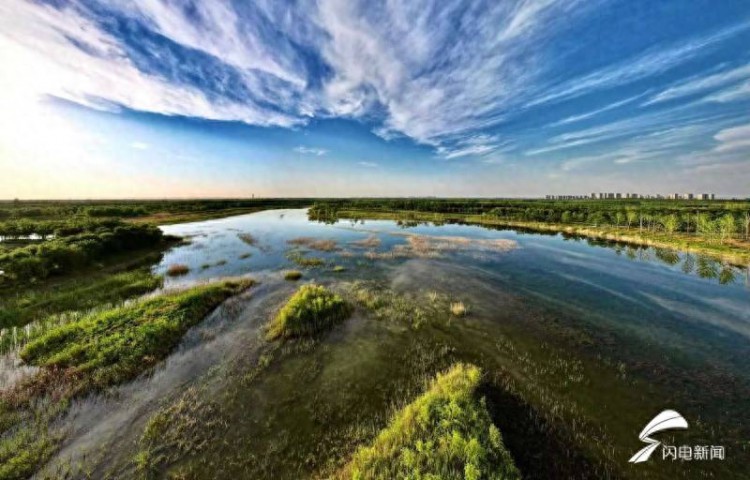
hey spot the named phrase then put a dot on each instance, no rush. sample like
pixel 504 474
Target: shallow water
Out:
pixel 613 334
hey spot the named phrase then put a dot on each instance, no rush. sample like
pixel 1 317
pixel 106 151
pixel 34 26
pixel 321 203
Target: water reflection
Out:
pixel 703 266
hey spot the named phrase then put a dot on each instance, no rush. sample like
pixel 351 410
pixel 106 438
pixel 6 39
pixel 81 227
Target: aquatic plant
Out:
pixel 245 255
pixel 445 433
pixel 339 268
pixel 307 262
pixel 114 345
pixel 370 242
pixel 311 309
pixel 177 270
pixel 459 309
pixel 292 275
pixel 323 245
pixel 247 238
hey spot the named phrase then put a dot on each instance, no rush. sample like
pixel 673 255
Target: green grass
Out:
pixel 22 306
pixel 306 262
pixel 311 309
pixel 292 275
pixel 446 433
pixel 115 345
pixel 338 269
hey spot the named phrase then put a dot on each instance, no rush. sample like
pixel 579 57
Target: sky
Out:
pixel 514 98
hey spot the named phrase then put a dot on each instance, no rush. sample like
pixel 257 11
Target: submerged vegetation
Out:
pixel 458 309
pixel 292 275
pixel 311 309
pixel 178 269
pixel 445 433
pixel 304 261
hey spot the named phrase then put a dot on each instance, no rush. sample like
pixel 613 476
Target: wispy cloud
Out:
pixel 368 164
pixel 701 84
pixel 656 61
pixel 594 113
pixel 735 138
pixel 140 145
pixel 448 74
pixel 318 152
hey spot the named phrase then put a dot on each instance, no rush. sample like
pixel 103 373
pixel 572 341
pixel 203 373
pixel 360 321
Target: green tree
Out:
pixel 631 216
pixel 727 226
pixel 670 223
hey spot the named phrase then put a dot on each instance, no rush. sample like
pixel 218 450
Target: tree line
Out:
pixel 715 220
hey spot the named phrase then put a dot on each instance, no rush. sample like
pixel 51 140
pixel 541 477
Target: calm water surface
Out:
pixel 647 329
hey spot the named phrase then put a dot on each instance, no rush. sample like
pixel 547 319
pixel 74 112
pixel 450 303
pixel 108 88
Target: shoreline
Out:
pixel 728 253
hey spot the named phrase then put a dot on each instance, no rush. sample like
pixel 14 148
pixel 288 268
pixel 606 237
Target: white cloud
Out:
pixel 735 138
pixel 732 94
pixel 438 72
pixel 657 60
pixel 140 145
pixel 369 164
pixel 318 152
pixel 701 84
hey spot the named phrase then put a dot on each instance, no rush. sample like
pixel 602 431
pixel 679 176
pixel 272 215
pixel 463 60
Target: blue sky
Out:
pixel 157 98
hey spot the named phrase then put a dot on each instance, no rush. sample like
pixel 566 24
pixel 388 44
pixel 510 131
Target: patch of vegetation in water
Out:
pixel 177 270
pixel 247 238
pixel 338 269
pixel 445 433
pixel 292 275
pixel 306 262
pixel 323 245
pixel 112 346
pixel 311 309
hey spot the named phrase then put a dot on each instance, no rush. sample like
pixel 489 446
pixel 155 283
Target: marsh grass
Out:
pixel 303 261
pixel 445 433
pixel 111 346
pixel 34 305
pixel 177 270
pixel 311 309
pixel 292 275
pixel 370 242
pixel 323 245
pixel 338 269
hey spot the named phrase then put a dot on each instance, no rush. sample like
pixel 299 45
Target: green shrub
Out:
pixel 311 309
pixel 446 433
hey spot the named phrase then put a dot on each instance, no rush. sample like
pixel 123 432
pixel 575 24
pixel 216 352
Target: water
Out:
pixel 588 342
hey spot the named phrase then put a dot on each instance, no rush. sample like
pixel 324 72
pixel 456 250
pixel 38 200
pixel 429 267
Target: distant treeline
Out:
pixel 713 219
pixel 132 208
